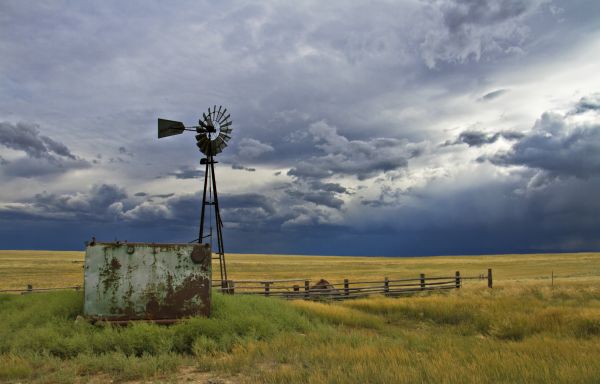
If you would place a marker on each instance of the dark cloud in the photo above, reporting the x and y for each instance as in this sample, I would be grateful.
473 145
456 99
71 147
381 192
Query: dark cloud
247 200
328 187
102 202
140 194
164 195
27 138
558 147
377 203
459 14
478 138
360 158
471 29
493 95
324 198
241 167
588 103
44 156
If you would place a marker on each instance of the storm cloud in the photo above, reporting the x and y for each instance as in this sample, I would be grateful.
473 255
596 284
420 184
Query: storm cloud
389 128
558 147
478 138
359 158
44 156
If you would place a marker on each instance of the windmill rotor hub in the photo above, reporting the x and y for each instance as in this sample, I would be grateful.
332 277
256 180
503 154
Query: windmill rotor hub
214 131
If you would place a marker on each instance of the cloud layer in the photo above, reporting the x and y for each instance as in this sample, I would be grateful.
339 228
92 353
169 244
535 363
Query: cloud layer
395 128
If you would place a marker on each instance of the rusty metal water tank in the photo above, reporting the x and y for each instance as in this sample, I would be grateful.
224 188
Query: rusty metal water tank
147 281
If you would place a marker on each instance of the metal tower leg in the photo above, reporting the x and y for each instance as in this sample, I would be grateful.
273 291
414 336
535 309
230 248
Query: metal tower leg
201 233
222 264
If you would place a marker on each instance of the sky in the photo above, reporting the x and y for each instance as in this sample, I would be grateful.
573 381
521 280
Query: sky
389 128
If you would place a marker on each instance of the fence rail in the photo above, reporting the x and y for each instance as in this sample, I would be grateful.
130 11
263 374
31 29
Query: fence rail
307 290
30 289
346 289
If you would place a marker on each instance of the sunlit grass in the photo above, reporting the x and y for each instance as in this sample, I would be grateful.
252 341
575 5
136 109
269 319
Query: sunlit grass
19 268
524 330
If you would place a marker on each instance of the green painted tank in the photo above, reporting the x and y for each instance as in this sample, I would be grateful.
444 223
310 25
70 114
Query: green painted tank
147 281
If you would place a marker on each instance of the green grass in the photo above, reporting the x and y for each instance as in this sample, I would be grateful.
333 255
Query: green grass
522 331
519 334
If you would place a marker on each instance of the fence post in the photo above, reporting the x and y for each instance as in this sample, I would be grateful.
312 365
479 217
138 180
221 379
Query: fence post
386 285
306 289
230 287
346 287
29 290
422 281
267 288
489 277
296 289
458 280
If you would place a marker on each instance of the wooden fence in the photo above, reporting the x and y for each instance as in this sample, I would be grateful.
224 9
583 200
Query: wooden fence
308 290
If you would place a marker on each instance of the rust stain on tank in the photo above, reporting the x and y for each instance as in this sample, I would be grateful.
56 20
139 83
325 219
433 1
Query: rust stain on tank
114 263
183 300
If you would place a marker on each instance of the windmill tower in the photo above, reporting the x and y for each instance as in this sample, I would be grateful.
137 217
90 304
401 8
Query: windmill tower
213 132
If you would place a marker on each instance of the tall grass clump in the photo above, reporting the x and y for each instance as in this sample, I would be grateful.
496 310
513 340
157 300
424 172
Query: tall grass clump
334 313
47 326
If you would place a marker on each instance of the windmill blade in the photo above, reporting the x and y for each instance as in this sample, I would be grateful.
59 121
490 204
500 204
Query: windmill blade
203 124
203 143
227 124
225 118
210 116
226 130
222 114
219 112
220 143
208 124
224 136
169 128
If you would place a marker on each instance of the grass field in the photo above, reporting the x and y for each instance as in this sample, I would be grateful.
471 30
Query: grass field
522 331
46 269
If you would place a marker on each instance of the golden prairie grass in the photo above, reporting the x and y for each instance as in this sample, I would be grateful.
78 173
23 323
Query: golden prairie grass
43 269
524 330
64 268
525 334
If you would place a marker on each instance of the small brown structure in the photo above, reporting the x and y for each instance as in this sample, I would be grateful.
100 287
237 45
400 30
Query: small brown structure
325 286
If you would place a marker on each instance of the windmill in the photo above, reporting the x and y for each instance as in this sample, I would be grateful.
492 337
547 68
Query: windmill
212 134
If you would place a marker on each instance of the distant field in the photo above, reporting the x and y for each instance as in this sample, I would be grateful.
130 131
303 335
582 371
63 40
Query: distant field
47 269
522 331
